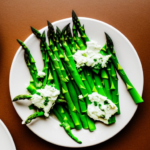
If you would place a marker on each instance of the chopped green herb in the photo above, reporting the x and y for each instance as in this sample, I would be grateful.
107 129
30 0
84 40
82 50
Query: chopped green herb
84 55
95 103
100 106
106 102
102 116
46 102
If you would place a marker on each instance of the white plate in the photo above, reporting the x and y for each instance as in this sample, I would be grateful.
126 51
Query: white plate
6 141
49 129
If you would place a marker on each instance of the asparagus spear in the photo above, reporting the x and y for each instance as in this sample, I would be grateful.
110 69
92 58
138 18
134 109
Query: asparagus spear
31 64
45 59
86 83
77 39
79 27
56 80
114 85
90 122
66 127
33 116
106 83
31 89
73 45
99 85
68 116
58 33
131 89
64 115
51 35
21 97
75 98
105 80
88 76
50 79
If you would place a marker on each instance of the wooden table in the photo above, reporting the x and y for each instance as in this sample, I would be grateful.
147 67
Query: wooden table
131 17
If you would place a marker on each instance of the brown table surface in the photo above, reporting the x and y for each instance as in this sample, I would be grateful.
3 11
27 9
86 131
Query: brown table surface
131 17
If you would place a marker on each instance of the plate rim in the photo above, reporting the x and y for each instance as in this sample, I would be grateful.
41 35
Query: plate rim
8 134
106 24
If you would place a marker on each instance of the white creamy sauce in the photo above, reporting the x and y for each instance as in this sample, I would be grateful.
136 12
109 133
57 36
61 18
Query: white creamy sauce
91 56
41 74
101 108
49 92
39 100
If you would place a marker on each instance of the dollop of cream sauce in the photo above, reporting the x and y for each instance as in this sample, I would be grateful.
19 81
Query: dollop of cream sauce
91 56
49 92
101 108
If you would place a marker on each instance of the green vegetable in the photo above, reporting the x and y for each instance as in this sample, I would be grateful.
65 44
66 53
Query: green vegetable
72 46
131 89
99 85
75 100
31 64
77 39
88 76
114 85
105 80
33 116
64 114
22 97
77 24
68 130
106 84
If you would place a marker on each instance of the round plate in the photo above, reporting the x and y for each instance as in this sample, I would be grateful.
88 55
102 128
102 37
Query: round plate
49 129
7 142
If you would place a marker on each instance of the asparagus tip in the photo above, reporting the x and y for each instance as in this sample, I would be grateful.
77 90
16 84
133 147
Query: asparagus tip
108 39
66 27
43 34
57 28
32 28
49 23
73 14
19 41
35 31
50 26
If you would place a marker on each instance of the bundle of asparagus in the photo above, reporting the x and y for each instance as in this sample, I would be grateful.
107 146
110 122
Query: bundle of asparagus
78 92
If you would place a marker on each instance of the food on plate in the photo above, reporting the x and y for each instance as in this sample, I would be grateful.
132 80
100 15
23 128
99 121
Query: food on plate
78 82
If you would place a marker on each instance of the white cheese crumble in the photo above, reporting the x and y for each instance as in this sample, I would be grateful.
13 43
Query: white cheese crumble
41 74
91 56
101 108
80 96
49 93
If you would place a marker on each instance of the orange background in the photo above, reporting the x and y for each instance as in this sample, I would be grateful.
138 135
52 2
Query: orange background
131 17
